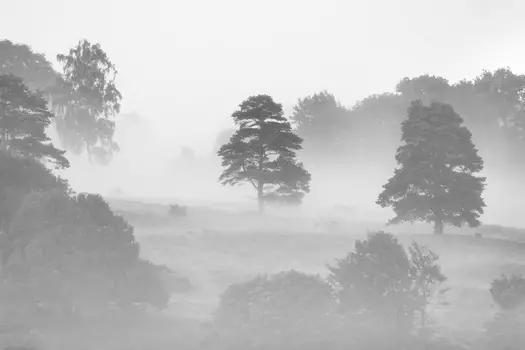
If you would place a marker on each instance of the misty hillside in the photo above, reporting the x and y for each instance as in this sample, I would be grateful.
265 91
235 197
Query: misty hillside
242 176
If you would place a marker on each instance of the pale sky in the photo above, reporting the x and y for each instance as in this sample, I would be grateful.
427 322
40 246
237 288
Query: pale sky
186 65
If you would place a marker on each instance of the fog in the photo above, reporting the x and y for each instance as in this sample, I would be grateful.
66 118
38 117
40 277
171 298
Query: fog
184 70
158 169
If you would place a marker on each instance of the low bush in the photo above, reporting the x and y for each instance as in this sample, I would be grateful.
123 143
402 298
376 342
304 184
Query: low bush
70 254
291 309
177 210
508 292
369 301
505 331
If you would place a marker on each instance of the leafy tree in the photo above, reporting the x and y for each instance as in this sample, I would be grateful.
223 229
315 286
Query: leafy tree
262 152
374 281
381 288
34 69
24 118
426 86
85 99
435 180
321 121
427 275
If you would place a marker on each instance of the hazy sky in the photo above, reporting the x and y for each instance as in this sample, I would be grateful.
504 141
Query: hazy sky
186 65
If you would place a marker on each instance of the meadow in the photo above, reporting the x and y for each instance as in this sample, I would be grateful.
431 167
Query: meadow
215 246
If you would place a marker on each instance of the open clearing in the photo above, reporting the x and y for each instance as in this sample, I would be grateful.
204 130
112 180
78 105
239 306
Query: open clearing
217 247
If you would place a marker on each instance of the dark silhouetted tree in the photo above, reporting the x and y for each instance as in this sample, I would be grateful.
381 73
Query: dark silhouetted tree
262 152
86 100
24 118
435 181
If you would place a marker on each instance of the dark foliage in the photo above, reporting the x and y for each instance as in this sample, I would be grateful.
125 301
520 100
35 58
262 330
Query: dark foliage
435 181
262 153
508 292
24 118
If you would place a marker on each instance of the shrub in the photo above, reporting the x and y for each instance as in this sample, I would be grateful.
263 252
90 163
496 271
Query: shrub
178 210
72 254
20 176
505 330
381 289
289 309
508 292
374 280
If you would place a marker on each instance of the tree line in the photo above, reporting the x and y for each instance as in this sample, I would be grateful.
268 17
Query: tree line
437 162
63 252
437 175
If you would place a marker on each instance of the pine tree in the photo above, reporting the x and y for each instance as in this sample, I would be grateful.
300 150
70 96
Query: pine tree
24 118
435 180
262 152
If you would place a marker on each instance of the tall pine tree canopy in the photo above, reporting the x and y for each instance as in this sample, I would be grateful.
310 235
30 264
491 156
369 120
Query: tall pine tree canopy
24 118
435 180
262 152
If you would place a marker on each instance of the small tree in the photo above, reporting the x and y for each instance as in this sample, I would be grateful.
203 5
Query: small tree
374 281
435 181
381 289
427 275
261 152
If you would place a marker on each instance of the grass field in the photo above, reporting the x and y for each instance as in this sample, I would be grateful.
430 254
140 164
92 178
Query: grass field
215 247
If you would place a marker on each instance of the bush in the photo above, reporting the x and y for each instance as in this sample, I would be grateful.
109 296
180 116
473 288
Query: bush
374 280
381 289
506 329
290 309
20 176
178 210
508 292
71 254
